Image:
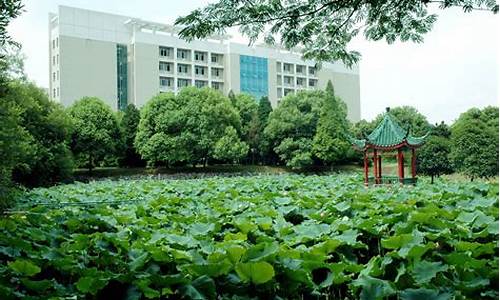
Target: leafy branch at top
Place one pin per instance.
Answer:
(322, 29)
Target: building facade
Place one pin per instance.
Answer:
(125, 60)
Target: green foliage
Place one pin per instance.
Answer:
(14, 146)
(96, 132)
(49, 159)
(292, 125)
(322, 28)
(433, 157)
(263, 111)
(229, 147)
(407, 117)
(263, 237)
(183, 128)
(441, 130)
(330, 143)
(475, 143)
(362, 129)
(128, 124)
(9, 10)
(247, 108)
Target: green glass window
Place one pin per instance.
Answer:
(121, 76)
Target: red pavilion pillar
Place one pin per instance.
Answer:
(366, 168)
(413, 164)
(401, 165)
(380, 168)
(375, 166)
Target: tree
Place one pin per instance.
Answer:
(129, 123)
(408, 117)
(441, 130)
(247, 108)
(96, 131)
(322, 28)
(330, 143)
(49, 159)
(362, 129)
(475, 143)
(9, 10)
(263, 111)
(183, 128)
(14, 147)
(292, 126)
(433, 157)
(230, 147)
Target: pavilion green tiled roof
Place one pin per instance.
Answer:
(388, 134)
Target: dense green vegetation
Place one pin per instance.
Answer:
(258, 237)
(322, 29)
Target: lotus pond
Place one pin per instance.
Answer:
(261, 237)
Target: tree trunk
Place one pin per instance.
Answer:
(432, 179)
(472, 179)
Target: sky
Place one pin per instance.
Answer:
(454, 69)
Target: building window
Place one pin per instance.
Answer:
(216, 72)
(57, 42)
(300, 69)
(217, 86)
(57, 92)
(313, 82)
(54, 93)
(165, 82)
(53, 44)
(166, 67)
(53, 60)
(216, 58)
(300, 81)
(182, 69)
(57, 75)
(288, 91)
(53, 76)
(254, 76)
(278, 79)
(288, 68)
(183, 54)
(165, 51)
(199, 70)
(57, 60)
(278, 67)
(199, 56)
(312, 71)
(183, 83)
(288, 80)
(121, 76)
(200, 83)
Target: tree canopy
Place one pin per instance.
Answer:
(433, 158)
(330, 143)
(475, 143)
(407, 117)
(129, 123)
(292, 126)
(96, 131)
(322, 28)
(183, 128)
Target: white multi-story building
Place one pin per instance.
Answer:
(125, 60)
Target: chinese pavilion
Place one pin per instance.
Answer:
(389, 137)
